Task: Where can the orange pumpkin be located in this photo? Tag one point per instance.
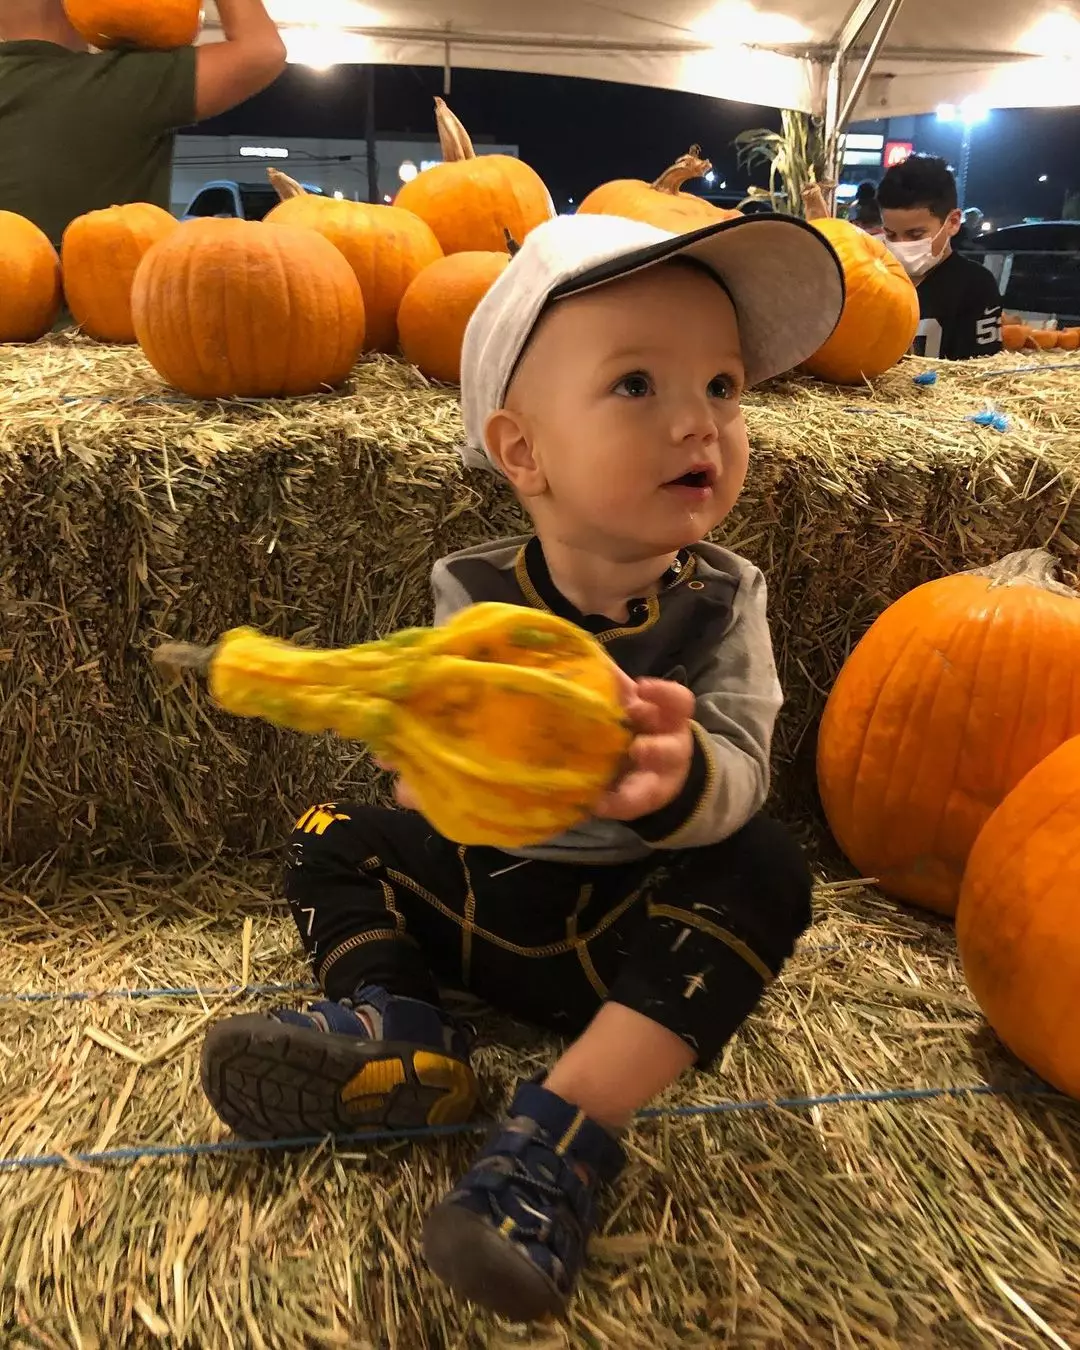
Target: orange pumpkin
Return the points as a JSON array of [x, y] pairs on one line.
[[1068, 339], [30, 293], [156, 25], [385, 246], [473, 201], [437, 308], [1045, 339], [958, 689], [881, 307], [227, 308], [1014, 336], [663, 203], [100, 254], [1018, 921]]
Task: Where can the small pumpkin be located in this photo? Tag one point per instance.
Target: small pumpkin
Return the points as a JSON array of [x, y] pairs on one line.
[[881, 306], [437, 307], [30, 292], [100, 254], [1014, 336], [472, 201], [228, 308], [157, 26], [1068, 339], [663, 203], [1045, 339], [385, 246], [957, 690], [1018, 921]]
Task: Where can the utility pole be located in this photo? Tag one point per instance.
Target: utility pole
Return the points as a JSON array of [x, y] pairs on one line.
[[369, 136]]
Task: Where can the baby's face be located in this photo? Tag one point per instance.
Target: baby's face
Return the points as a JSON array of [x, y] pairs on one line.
[[628, 397]]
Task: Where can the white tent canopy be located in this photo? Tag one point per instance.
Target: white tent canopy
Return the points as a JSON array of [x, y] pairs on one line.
[[804, 54]]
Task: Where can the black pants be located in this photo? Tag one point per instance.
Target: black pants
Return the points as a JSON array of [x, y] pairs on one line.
[[688, 937]]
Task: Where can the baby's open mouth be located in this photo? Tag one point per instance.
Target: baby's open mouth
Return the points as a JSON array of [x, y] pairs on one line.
[[693, 478]]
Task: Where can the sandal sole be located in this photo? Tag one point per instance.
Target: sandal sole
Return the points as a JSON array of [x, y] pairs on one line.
[[480, 1263], [271, 1080]]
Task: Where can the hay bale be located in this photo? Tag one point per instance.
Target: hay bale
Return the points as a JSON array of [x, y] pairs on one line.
[[886, 1223], [129, 515]]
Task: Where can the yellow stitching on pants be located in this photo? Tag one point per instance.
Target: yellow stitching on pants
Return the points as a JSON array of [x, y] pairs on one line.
[[552, 948], [350, 945], [585, 957], [391, 905], [692, 920], [373, 864], [468, 925]]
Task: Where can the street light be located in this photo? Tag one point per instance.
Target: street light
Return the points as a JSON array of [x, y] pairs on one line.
[[969, 114], [1043, 177]]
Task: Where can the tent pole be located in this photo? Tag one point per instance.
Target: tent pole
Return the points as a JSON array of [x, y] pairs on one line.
[[837, 116]]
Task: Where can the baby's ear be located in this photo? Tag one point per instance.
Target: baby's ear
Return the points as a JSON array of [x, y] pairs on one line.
[[507, 440]]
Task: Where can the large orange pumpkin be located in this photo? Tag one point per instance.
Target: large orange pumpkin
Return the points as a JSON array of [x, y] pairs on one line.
[[437, 308], [1018, 922], [881, 306], [157, 25], [385, 246], [30, 294], [100, 254], [473, 201], [227, 308], [663, 203], [958, 689]]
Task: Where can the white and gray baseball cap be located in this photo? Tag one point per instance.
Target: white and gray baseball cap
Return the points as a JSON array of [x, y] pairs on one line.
[[784, 279]]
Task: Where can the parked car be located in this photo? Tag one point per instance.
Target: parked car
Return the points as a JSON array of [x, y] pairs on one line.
[[240, 201], [1037, 267]]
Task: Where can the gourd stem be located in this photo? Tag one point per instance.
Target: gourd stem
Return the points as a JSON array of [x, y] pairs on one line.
[[685, 168], [454, 140], [283, 185], [1028, 567]]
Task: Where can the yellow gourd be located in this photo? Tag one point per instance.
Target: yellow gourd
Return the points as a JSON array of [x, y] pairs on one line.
[[505, 724]]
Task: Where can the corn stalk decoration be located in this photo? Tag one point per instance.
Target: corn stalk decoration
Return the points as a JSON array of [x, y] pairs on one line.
[[796, 156]]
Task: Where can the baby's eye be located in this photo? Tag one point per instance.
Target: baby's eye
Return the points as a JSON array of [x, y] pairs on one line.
[[637, 385], [721, 386]]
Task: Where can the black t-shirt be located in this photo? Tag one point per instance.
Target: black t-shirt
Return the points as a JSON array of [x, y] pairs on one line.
[[960, 311]]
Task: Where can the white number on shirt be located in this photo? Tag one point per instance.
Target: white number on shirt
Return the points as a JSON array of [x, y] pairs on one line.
[[930, 331], [988, 329]]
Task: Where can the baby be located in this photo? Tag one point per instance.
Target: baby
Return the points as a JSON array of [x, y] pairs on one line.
[[601, 378]]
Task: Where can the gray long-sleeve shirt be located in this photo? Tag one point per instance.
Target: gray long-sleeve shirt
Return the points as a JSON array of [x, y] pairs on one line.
[[706, 628]]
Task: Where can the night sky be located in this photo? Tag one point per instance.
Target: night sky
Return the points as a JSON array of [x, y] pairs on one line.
[[578, 133]]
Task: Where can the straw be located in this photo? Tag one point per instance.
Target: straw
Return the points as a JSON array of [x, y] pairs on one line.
[[130, 516], [866, 1166]]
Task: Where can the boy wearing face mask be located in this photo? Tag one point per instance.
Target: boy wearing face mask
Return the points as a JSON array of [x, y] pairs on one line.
[[959, 302]]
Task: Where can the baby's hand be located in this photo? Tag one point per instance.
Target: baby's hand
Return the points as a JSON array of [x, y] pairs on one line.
[[402, 795], [659, 712]]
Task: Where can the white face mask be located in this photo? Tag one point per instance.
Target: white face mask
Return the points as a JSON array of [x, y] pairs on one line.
[[917, 256]]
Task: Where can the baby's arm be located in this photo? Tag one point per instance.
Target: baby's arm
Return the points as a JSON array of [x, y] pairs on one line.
[[736, 698]]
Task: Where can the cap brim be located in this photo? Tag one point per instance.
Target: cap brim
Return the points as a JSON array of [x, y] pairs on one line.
[[783, 276]]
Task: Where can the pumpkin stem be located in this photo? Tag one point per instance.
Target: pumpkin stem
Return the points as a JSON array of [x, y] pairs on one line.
[[512, 245], [453, 138], [685, 168], [814, 203], [283, 185], [1028, 567]]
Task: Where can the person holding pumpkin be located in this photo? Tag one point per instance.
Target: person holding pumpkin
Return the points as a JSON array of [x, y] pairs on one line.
[[82, 131], [601, 378]]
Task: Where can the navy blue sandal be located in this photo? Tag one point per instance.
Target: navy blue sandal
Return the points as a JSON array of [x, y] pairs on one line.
[[512, 1235], [376, 1061]]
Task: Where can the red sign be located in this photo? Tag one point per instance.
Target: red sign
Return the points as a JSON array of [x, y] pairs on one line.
[[896, 152]]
